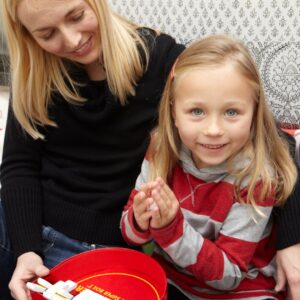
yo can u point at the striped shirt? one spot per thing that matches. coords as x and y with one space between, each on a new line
216 247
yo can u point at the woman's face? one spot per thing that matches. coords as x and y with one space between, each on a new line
68 29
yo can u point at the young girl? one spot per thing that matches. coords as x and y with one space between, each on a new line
215 169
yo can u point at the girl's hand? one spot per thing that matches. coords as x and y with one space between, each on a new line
167 205
141 203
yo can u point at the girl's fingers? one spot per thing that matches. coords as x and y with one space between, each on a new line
151 204
163 198
156 219
168 192
160 200
139 197
147 187
139 204
139 201
144 217
167 203
141 214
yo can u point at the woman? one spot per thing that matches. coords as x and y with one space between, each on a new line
86 84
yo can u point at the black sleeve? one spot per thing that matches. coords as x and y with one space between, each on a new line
162 47
174 51
20 188
288 218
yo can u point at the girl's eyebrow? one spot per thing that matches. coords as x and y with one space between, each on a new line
70 12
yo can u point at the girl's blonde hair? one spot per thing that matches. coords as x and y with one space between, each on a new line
265 144
35 73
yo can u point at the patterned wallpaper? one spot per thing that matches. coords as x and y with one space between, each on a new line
271 29
255 20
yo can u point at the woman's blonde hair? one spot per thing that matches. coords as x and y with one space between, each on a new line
35 74
265 144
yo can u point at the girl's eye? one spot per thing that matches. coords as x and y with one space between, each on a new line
197 112
78 17
231 112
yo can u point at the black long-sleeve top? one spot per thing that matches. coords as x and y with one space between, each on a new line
78 179
288 217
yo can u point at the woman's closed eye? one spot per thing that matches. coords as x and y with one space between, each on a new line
48 35
74 18
78 16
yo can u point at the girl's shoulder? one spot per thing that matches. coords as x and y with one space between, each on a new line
242 163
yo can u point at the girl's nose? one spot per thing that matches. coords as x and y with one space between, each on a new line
213 127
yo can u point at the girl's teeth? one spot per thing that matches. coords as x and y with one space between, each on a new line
213 146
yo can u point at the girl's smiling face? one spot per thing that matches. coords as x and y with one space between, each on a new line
213 111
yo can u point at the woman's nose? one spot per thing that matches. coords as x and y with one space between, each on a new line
71 38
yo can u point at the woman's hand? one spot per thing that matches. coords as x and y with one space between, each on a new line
29 266
288 271
166 202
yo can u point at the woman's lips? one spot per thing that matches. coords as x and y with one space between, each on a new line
84 49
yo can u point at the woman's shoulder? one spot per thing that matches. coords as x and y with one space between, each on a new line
163 48
155 38
147 33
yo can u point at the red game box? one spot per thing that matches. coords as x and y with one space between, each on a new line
115 273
